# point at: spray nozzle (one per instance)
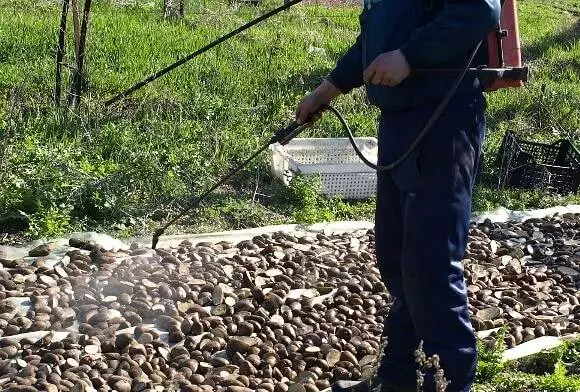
(284, 135)
(158, 233)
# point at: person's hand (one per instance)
(388, 69)
(308, 108)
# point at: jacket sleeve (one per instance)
(348, 73)
(458, 27)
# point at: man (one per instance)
(424, 205)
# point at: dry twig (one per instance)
(60, 52)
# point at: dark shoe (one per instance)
(351, 386)
(376, 384)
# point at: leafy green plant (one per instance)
(490, 357)
(309, 204)
(548, 371)
(486, 199)
(571, 357)
(544, 363)
(50, 222)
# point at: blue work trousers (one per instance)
(422, 222)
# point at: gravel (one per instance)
(275, 313)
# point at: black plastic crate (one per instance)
(532, 165)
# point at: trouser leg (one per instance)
(398, 364)
(436, 187)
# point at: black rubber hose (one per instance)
(423, 133)
(284, 136)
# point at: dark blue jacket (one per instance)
(430, 33)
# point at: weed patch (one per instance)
(127, 168)
(553, 370)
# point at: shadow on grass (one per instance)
(562, 38)
(570, 66)
(508, 110)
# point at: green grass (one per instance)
(125, 169)
(556, 370)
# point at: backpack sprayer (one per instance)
(504, 70)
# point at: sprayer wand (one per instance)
(283, 136)
(200, 51)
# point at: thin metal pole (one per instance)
(78, 80)
(77, 41)
(199, 199)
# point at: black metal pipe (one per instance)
(198, 52)
(199, 199)
(519, 73)
(283, 136)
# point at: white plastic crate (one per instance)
(341, 171)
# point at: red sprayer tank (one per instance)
(500, 62)
(504, 49)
